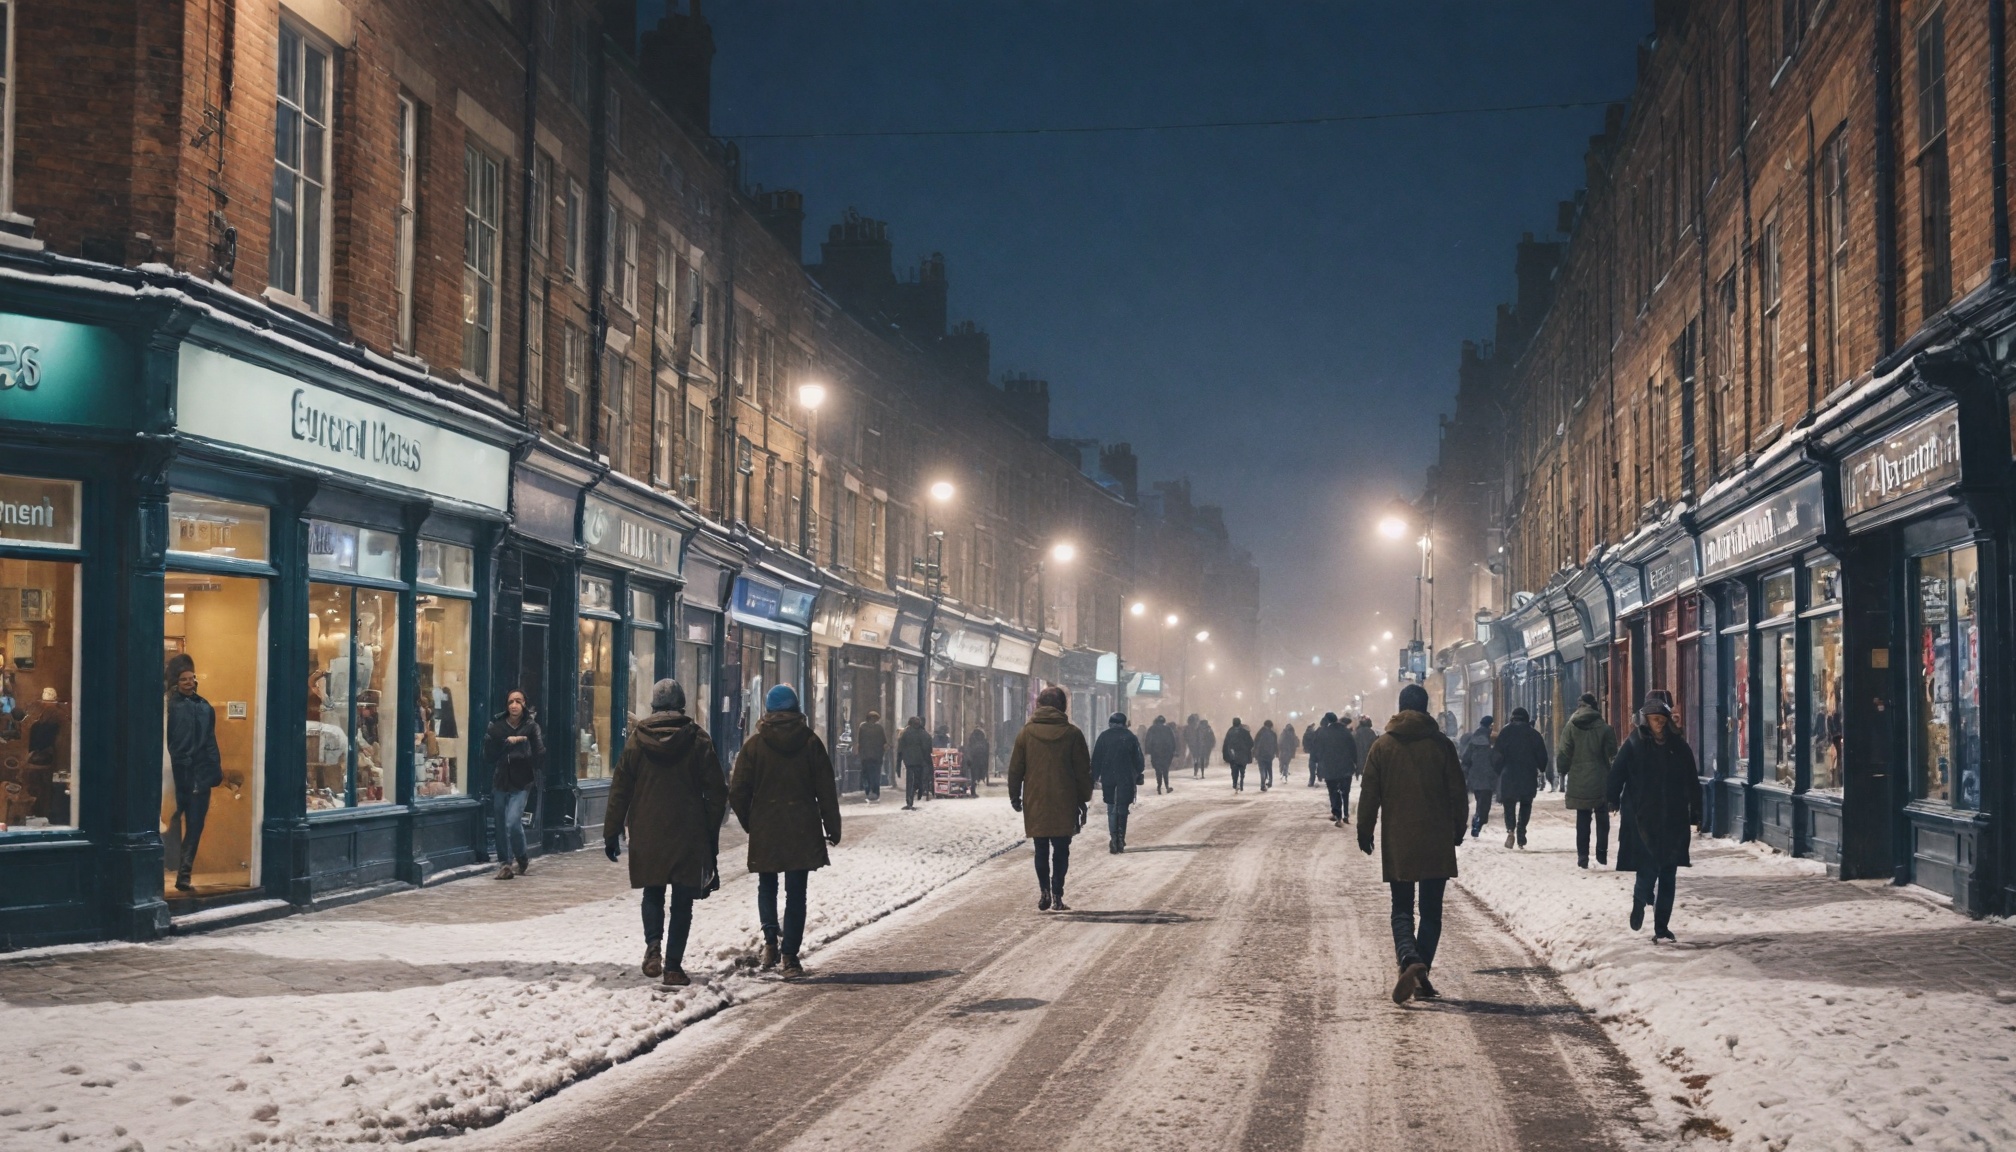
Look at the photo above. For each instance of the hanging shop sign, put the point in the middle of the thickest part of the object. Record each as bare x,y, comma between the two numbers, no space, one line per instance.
874,625
613,532
37,513
56,372
1145,684
1537,635
909,634
231,401
1013,655
969,648
1778,523
1627,586
1920,457
833,617
1672,571
763,604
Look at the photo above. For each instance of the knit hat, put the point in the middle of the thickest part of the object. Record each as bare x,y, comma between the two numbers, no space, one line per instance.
1521,716
1118,719
1413,698
782,698
668,696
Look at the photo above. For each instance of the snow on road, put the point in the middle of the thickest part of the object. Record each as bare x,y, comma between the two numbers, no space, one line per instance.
1797,1011
335,1028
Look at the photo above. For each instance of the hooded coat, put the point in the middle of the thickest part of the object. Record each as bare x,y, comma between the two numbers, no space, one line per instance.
1203,741
1290,743
1266,743
1238,749
1050,774
1522,760
1658,796
1587,747
1117,764
1160,743
975,755
783,795
669,796
1363,736
1412,777
1480,760
1335,751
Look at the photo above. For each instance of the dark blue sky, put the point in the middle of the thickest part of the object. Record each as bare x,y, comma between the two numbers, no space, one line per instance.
1275,312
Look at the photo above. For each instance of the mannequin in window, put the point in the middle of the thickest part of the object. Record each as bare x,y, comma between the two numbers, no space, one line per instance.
194,759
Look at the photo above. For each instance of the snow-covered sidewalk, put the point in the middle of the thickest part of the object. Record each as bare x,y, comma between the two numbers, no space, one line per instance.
1796,1011
425,1012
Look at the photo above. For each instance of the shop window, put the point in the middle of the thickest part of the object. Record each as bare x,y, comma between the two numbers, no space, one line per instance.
353,703
224,529
644,632
38,684
351,551
442,639
447,566
1739,704
1781,703
1827,661
594,705
1947,677
1778,596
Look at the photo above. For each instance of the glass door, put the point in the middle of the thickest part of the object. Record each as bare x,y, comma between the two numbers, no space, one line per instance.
215,664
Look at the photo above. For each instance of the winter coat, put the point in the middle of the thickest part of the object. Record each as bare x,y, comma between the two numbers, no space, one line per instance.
1480,765
1266,743
1522,761
1363,736
974,756
1050,774
871,741
783,795
1203,742
1160,743
513,767
913,749
192,743
669,796
1334,751
1413,776
1116,764
1658,797
1290,744
1583,755
1309,734
1238,749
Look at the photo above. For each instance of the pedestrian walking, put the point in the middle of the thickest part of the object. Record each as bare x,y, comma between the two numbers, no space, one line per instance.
193,760
1200,747
1414,778
1160,745
913,760
1290,745
1238,752
1480,771
1116,772
514,748
1266,744
1308,732
1583,756
1336,752
1522,760
782,793
668,795
1363,736
871,747
1050,783
1657,795
974,757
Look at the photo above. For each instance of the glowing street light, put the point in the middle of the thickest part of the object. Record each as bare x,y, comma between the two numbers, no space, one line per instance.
1386,635
811,395
1139,608
1203,636
942,491
1171,620
1393,527
1064,552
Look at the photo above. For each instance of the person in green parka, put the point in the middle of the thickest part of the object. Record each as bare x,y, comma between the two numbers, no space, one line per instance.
1050,784
1583,756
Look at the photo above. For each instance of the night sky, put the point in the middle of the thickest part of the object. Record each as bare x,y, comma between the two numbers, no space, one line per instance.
1275,312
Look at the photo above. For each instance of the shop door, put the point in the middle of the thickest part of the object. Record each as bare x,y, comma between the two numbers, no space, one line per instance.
218,625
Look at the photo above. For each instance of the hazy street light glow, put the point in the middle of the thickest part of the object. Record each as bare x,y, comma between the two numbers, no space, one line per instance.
1203,636
812,395
1170,620
1139,608
1388,635
1393,527
942,491
1064,553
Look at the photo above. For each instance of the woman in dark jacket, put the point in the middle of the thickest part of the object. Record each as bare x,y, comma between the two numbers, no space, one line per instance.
1522,761
1655,789
974,757
514,750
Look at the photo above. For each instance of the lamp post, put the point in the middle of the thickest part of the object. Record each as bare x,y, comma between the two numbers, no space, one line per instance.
811,395
1395,526
933,571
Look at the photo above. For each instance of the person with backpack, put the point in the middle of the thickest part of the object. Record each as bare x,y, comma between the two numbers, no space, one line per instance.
669,797
1480,771
783,796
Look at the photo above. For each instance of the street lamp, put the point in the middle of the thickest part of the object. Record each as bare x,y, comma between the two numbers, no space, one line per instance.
811,395
1393,527
1064,552
1139,609
1203,636
1171,620
941,492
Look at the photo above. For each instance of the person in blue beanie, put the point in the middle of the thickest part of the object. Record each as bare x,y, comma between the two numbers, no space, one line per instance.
783,795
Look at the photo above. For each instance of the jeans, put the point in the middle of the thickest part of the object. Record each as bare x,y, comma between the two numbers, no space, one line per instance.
792,932
1408,944
511,823
1483,815
1238,777
1266,773
1340,798
1116,818
1600,817
1651,877
1525,811
682,919
192,809
871,778
1053,859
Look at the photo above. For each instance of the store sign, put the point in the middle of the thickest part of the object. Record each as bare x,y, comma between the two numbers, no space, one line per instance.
1146,684
874,626
1537,636
971,649
1109,668
235,402
1627,587
55,372
1917,458
759,601
1013,655
1770,526
1670,572
705,582
616,533
38,513
543,508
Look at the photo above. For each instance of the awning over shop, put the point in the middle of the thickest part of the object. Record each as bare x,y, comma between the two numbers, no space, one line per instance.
1081,668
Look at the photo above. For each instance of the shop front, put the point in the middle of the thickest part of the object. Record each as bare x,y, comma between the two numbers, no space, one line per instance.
906,646
769,633
1014,692
863,681
706,578
1620,692
1776,595
961,652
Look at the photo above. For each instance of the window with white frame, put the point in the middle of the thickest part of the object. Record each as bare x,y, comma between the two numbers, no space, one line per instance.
696,310
573,378
662,305
483,195
612,118
535,349
616,411
574,227
541,205
662,401
296,262
619,265
697,439
404,216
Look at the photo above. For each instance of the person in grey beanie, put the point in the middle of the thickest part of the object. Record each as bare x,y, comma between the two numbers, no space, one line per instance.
669,796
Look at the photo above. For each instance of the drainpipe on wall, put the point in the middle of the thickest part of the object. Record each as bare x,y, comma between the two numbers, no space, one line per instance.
530,140
1998,135
1881,70
596,256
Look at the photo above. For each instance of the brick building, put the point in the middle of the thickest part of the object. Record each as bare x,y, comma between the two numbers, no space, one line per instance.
1756,449
377,357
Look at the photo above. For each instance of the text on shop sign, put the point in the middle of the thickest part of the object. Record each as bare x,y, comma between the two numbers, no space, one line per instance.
1918,458
364,438
1765,528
